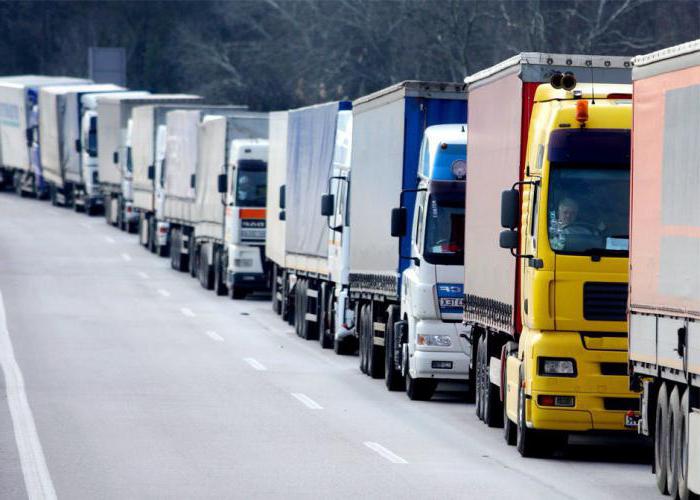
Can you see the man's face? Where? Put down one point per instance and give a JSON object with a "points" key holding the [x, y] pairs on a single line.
{"points": [[567, 214]]}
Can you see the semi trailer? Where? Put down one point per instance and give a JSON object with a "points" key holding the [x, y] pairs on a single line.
{"points": [[301, 168], [61, 110], [148, 136], [548, 308], [664, 291], [229, 226], [397, 285], [114, 139], [19, 130], [191, 190]]}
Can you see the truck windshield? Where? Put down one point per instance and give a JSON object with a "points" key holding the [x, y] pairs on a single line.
{"points": [[251, 183], [588, 207], [444, 232], [92, 138]]}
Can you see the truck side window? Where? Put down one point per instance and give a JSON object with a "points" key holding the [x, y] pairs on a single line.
{"points": [[419, 220]]}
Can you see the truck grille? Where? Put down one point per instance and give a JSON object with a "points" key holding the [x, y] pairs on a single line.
{"points": [[605, 301], [613, 368], [621, 404]]}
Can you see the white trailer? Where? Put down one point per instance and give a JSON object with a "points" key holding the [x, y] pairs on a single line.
{"points": [[114, 152], [148, 136], [60, 117], [19, 130]]}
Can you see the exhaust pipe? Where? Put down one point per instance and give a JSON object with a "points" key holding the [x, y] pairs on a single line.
{"points": [[566, 81]]}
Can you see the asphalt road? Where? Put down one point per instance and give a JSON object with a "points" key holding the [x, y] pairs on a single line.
{"points": [[141, 384]]}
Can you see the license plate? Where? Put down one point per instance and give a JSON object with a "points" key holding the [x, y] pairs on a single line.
{"points": [[632, 420]]}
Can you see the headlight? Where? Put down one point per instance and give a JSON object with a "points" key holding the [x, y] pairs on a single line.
{"points": [[243, 262], [557, 367], [434, 340]]}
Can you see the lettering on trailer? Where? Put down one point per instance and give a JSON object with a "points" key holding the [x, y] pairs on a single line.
{"points": [[9, 114], [450, 298], [253, 229]]}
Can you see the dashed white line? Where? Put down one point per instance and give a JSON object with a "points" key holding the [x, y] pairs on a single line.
{"points": [[307, 401], [37, 479], [389, 455], [126, 257], [255, 364], [215, 336], [143, 275], [187, 312], [109, 239], [165, 293]]}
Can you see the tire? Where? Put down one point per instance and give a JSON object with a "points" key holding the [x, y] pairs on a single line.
{"points": [[205, 269], [392, 377], [375, 361], [298, 291], [478, 380], [419, 389], [529, 442], [276, 302], [143, 224], [152, 247], [672, 437], [325, 318], [220, 287], [490, 401], [362, 339], [52, 195], [343, 347], [682, 448], [510, 430], [311, 329], [660, 432], [192, 256], [174, 249]]}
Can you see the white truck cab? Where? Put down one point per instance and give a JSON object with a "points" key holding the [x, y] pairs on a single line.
{"points": [[244, 225], [434, 345]]}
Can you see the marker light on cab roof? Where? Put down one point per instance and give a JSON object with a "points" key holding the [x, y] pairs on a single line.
{"points": [[582, 111]]}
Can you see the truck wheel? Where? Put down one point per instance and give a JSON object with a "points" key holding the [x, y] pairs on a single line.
{"points": [[192, 254], [528, 442], [152, 247], [143, 231], [325, 316], [298, 291], [510, 431], [311, 328], [419, 389], [674, 417], [392, 377], [174, 249], [362, 337], [491, 412], [220, 287], [660, 432], [682, 449], [478, 380], [376, 355], [276, 302], [52, 195]]}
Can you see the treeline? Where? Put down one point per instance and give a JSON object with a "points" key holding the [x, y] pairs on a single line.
{"points": [[274, 54]]}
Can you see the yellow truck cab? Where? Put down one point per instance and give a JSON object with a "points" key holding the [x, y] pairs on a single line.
{"points": [[551, 348], [569, 370]]}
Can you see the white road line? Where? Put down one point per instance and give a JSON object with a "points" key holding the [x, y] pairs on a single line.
{"points": [[37, 478], [126, 257], [143, 275], [109, 239], [187, 312], [307, 401], [215, 336], [165, 293], [389, 455], [255, 364]]}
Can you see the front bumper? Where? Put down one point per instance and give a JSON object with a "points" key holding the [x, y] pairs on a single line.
{"points": [[424, 360]]}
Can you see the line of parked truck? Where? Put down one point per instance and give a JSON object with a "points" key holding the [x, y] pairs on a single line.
{"points": [[532, 233]]}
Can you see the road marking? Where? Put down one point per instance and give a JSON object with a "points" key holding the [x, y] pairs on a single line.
{"points": [[255, 364], [307, 401], [109, 239], [143, 275], [37, 478], [166, 293], [126, 257], [215, 336], [389, 455], [187, 312]]}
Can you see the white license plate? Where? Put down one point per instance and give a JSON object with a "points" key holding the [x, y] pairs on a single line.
{"points": [[632, 420]]}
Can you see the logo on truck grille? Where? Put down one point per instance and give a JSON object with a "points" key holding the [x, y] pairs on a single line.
{"points": [[253, 229], [450, 298]]}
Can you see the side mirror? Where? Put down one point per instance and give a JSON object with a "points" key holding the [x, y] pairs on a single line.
{"points": [[283, 215], [510, 209], [78, 147], [398, 221], [222, 183], [151, 172], [327, 205], [193, 180], [508, 239], [283, 193], [115, 157]]}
